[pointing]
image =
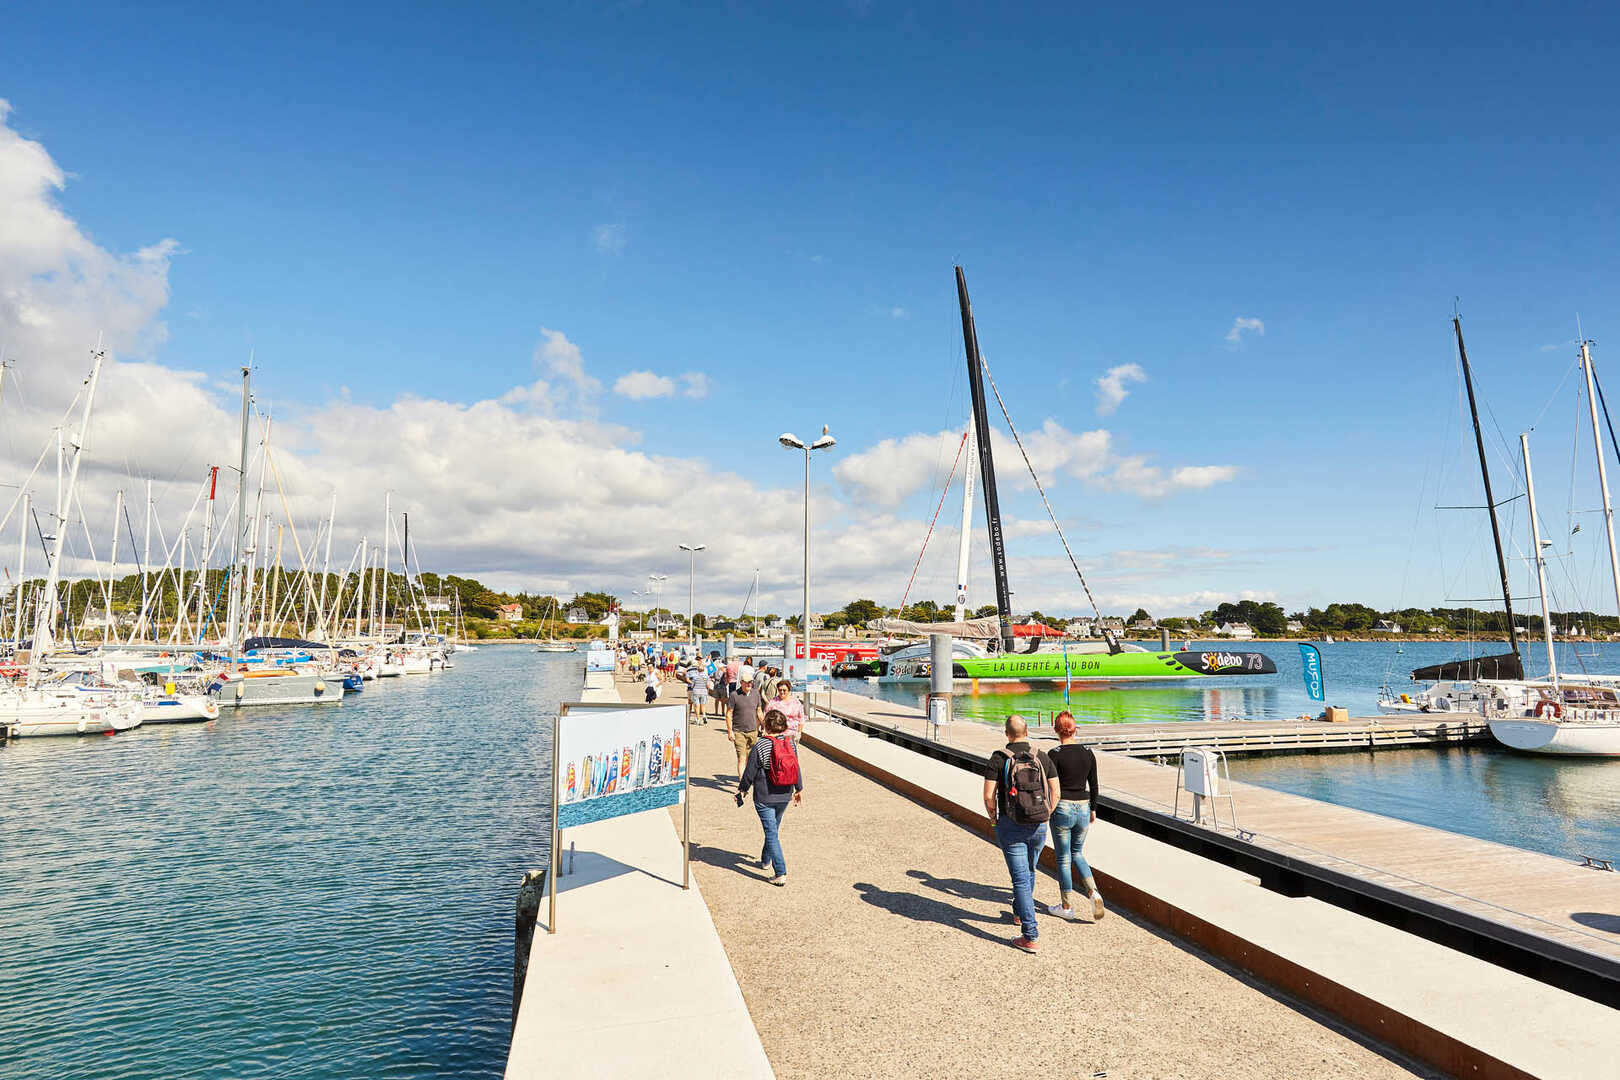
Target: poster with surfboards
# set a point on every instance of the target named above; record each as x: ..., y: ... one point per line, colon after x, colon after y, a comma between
x: 618, y: 760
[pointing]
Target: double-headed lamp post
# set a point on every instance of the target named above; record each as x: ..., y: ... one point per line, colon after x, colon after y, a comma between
x: 691, y: 570
x: 793, y: 442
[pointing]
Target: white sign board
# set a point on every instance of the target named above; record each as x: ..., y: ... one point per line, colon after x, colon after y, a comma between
x: 599, y: 659
x: 1198, y: 772
x: 616, y: 761
x: 814, y: 675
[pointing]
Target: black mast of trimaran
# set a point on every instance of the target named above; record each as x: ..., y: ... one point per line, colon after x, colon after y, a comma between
x: 987, y: 466
x: 1486, y: 667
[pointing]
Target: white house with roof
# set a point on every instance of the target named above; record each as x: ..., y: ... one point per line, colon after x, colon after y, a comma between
x: 1235, y: 630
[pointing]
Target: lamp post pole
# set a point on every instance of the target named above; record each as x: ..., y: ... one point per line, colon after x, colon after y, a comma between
x: 691, y: 571
x: 793, y: 442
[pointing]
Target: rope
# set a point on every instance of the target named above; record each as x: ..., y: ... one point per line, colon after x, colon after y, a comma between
x: 1027, y: 464
x: 943, y: 491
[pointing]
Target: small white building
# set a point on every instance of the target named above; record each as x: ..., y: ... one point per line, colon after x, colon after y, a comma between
x: 1386, y: 626
x: 1295, y: 626
x: 1240, y: 630
x: 576, y: 614
x: 509, y: 613
x: 1079, y: 628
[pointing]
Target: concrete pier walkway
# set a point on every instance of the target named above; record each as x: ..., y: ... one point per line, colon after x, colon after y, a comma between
x: 888, y: 955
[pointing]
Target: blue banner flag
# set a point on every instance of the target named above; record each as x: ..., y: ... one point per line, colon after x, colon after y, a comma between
x: 1311, y: 658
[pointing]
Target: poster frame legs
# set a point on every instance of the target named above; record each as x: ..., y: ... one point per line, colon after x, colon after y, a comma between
x: 686, y: 809
x: 554, y: 855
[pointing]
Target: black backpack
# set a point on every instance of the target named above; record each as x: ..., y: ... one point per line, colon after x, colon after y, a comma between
x: 1024, y: 788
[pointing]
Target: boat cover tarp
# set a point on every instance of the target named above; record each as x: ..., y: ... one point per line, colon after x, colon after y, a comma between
x: 985, y: 629
x: 253, y: 643
x: 1034, y: 629
x: 1500, y: 666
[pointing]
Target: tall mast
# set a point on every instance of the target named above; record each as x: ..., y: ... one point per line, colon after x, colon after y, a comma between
x: 967, y: 530
x: 46, y: 614
x: 388, y: 512
x: 233, y: 630
x: 22, y: 578
x: 208, y: 541
x: 146, y: 569
x: 326, y: 569
x: 1485, y: 475
x: 1603, y: 470
x: 1541, y: 562
x: 987, y: 466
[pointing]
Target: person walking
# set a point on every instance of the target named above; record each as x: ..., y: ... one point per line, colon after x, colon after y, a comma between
x: 1075, y: 811
x: 789, y: 706
x: 697, y: 692
x: 774, y: 776
x: 742, y: 722
x: 651, y: 681
x: 1020, y: 790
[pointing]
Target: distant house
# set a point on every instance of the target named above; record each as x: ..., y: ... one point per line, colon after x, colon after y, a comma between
x: 1143, y: 626
x: 668, y: 622
x: 1234, y: 630
x: 1079, y: 628
x: 1110, y: 622
x: 97, y: 619
x: 509, y: 613
x: 1295, y: 626
x: 776, y: 624
x: 576, y: 614
x: 435, y: 603
x: 1385, y: 626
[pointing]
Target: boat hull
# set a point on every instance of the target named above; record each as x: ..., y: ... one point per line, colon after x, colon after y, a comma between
x: 70, y: 718
x: 179, y: 709
x: 1550, y: 737
x: 280, y: 689
x: 1091, y: 667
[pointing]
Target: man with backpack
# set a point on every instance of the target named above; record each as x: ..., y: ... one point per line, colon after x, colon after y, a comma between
x: 773, y: 775
x: 1020, y: 790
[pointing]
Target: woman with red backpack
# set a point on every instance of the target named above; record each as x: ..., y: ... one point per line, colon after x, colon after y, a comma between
x: 773, y: 774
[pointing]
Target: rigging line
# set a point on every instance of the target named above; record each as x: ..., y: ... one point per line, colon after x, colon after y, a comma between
x: 1030, y: 466
x: 944, y: 491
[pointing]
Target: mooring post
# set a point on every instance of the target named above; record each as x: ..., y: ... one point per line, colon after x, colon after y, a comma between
x: 530, y: 894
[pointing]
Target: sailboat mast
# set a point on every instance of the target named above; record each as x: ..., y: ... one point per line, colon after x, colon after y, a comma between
x: 22, y: 577
x: 1485, y: 475
x: 235, y: 584
x: 1541, y: 562
x: 987, y: 467
x: 46, y: 613
x: 1603, y: 470
x: 966, y: 543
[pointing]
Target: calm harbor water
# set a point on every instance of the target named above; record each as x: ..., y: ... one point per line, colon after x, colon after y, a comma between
x: 1559, y: 806
x: 295, y: 892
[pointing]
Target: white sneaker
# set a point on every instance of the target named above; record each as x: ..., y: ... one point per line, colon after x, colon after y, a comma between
x: 1060, y: 912
x: 779, y: 879
x: 1096, y: 906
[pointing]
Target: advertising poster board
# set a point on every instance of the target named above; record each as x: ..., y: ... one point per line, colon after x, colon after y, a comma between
x: 598, y: 658
x: 615, y: 760
x: 812, y: 676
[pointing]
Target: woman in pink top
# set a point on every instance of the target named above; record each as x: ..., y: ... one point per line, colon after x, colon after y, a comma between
x: 789, y: 706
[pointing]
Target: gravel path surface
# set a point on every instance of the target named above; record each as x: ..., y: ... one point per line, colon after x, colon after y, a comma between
x: 888, y: 955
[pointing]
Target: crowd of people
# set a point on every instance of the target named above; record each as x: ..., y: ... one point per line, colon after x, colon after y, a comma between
x: 1026, y: 791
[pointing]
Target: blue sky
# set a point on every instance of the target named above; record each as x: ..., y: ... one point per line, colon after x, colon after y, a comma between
x: 386, y: 201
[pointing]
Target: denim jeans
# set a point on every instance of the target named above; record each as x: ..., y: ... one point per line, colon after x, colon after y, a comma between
x: 770, y: 817
x: 1070, y: 820
x: 1021, y: 846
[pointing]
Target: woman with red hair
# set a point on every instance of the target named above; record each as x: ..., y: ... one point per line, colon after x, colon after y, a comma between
x: 1076, y: 809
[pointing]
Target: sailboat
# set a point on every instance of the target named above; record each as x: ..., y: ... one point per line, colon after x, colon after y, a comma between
x: 997, y: 651
x: 56, y: 707
x: 549, y: 645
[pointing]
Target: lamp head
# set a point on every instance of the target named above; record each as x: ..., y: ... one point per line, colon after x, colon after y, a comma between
x: 824, y: 442
x: 790, y: 441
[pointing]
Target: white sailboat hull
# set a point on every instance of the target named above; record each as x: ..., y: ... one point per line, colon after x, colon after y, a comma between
x: 179, y: 709
x: 47, y: 716
x: 281, y: 689
x: 1552, y: 737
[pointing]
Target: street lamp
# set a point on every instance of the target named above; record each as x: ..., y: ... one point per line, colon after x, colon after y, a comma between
x: 691, y: 568
x: 655, y: 587
x: 793, y: 442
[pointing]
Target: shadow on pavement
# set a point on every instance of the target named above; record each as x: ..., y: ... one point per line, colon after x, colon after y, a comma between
x: 927, y: 909
x: 964, y: 890
x: 729, y: 860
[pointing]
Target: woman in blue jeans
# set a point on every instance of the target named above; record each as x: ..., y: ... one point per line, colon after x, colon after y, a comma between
x: 770, y: 800
x: 1076, y: 810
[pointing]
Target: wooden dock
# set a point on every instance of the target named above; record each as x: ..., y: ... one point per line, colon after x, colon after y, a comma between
x: 1287, y: 736
x: 1528, y: 896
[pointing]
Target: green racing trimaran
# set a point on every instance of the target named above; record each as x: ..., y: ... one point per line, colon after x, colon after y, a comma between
x: 991, y: 650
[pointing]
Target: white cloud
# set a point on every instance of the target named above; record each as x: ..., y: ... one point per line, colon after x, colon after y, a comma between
x: 554, y: 353
x: 895, y: 469
x: 645, y: 385
x: 642, y: 385
x: 1111, y: 392
x: 1241, y: 326
x: 611, y: 238
x: 898, y: 312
